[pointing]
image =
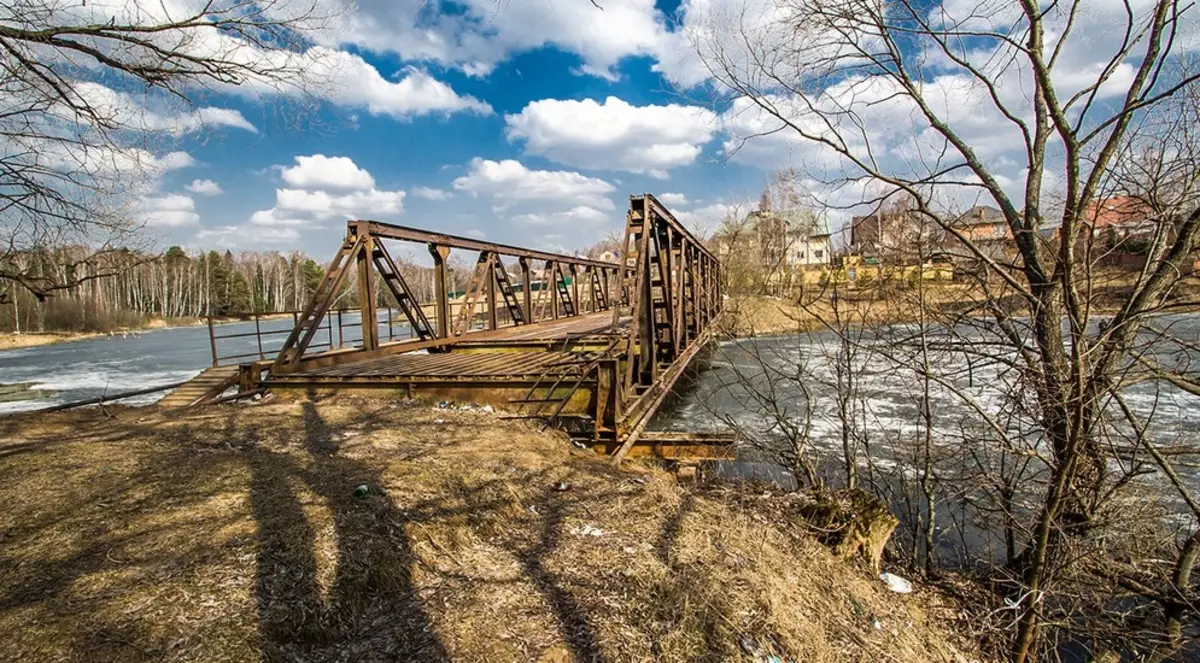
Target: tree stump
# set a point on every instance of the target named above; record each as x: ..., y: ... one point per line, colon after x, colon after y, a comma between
x: 852, y: 523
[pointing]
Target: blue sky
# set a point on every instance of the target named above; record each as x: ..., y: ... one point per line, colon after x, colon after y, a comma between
x: 532, y: 121
x: 428, y: 155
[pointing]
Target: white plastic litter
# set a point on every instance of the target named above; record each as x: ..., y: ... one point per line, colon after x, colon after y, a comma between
x: 896, y: 583
x: 587, y: 530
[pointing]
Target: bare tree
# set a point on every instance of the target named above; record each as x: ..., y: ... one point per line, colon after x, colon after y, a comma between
x: 907, y: 98
x: 91, y: 90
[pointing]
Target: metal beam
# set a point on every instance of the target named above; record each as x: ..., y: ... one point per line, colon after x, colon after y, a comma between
x: 389, y: 231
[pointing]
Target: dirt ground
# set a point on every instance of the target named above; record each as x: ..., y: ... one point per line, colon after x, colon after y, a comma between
x: 232, y: 533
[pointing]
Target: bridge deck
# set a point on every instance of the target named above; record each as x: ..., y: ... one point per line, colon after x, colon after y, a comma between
x: 488, y: 359
x: 441, y: 366
x: 588, y: 324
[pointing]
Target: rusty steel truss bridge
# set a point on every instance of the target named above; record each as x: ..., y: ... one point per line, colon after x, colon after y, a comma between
x: 590, y: 346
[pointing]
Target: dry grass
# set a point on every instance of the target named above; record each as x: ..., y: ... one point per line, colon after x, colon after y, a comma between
x: 11, y: 341
x: 231, y: 534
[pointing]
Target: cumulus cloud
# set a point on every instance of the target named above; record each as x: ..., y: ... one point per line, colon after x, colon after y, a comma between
x: 147, y: 112
x: 672, y: 199
x: 429, y: 193
x: 614, y: 135
x: 321, y: 172
x: 576, y: 215
x: 324, y: 205
x: 705, y: 220
x: 482, y: 35
x: 169, y: 211
x: 204, y: 188
x: 321, y: 189
x: 510, y: 181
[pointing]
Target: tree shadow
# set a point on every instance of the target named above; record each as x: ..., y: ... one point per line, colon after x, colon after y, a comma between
x: 679, y: 581
x: 573, y: 622
x: 372, y: 609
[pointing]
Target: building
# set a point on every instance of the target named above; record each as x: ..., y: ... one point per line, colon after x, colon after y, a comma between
x: 790, y: 240
x: 895, y: 236
x: 984, y: 227
x: 773, y: 251
x: 1118, y: 218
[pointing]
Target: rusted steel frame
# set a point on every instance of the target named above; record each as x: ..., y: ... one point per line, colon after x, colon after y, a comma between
x: 526, y: 290
x: 441, y: 291
x: 555, y: 301
x: 300, y: 338
x: 516, y: 311
x: 652, y: 203
x: 350, y: 355
x: 543, y: 297
x: 593, y: 281
x: 641, y: 411
x: 366, y: 290
x: 639, y: 339
x: 475, y: 287
x: 679, y: 268
x: 389, y: 231
x: 666, y: 271
x: 694, y: 293
x: 624, y: 273
x: 576, y: 304
x: 493, y: 311
x: 212, y: 342
x: 402, y: 293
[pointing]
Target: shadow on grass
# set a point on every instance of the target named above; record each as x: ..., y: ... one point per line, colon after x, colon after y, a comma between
x: 372, y: 606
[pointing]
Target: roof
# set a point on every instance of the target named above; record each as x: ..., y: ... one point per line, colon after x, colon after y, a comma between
x: 1115, y: 211
x: 980, y: 214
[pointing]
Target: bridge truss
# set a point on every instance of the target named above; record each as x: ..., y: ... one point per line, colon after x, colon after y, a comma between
x: 595, y: 346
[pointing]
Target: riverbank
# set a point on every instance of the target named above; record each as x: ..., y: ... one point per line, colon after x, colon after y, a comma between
x: 234, y: 533
x: 761, y: 315
x: 14, y: 341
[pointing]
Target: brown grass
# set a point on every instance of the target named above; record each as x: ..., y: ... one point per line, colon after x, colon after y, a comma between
x: 230, y: 534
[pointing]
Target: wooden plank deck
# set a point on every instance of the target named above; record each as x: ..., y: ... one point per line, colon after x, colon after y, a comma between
x: 450, y: 365
x: 588, y: 324
x: 209, y: 384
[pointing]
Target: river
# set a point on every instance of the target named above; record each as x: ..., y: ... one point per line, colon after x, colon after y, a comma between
x: 126, y: 361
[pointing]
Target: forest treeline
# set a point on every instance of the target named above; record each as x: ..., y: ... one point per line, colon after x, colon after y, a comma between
x: 127, y: 289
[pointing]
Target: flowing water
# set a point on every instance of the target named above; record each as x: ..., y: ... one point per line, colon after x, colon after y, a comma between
x: 78, y: 370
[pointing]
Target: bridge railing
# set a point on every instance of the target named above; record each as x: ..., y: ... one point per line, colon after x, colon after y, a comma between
x: 232, y: 341
x: 508, y: 286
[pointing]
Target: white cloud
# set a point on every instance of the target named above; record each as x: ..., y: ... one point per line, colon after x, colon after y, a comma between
x: 429, y: 193
x: 323, y: 205
x: 204, y: 188
x: 672, y: 199
x: 169, y: 211
x: 483, y: 33
x: 359, y: 84
x: 247, y: 237
x: 321, y: 172
x: 321, y: 71
x: 510, y: 181
x: 705, y: 220
x: 324, y: 188
x: 575, y: 215
x: 614, y: 135
x: 149, y: 112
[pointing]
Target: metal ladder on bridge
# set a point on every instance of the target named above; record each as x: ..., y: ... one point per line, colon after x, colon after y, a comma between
x: 579, y: 368
x: 318, y: 303
x: 506, y: 289
x: 404, y: 297
x: 564, y: 294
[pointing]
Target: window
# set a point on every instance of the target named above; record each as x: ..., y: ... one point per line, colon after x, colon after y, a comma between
x: 818, y: 254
